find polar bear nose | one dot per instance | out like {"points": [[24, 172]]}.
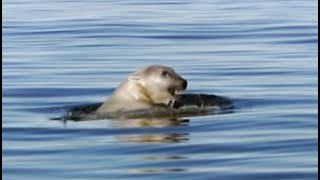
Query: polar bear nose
{"points": [[184, 84]]}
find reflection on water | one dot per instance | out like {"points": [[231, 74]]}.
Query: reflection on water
{"points": [[151, 122], [158, 170], [153, 137]]}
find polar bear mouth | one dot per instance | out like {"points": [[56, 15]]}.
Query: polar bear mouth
{"points": [[176, 91]]}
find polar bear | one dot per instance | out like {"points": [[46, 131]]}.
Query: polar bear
{"points": [[149, 87]]}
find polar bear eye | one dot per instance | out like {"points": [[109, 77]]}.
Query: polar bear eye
{"points": [[165, 74]]}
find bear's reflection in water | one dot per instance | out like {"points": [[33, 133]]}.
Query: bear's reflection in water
{"points": [[154, 131], [158, 133]]}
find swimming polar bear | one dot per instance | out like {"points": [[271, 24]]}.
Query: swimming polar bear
{"points": [[151, 92], [149, 87]]}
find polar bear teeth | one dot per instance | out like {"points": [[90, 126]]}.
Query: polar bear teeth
{"points": [[178, 91]]}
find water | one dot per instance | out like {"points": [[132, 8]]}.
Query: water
{"points": [[61, 53]]}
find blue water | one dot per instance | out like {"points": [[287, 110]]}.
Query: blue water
{"points": [[61, 53]]}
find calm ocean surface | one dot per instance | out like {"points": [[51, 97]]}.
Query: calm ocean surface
{"points": [[61, 53]]}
